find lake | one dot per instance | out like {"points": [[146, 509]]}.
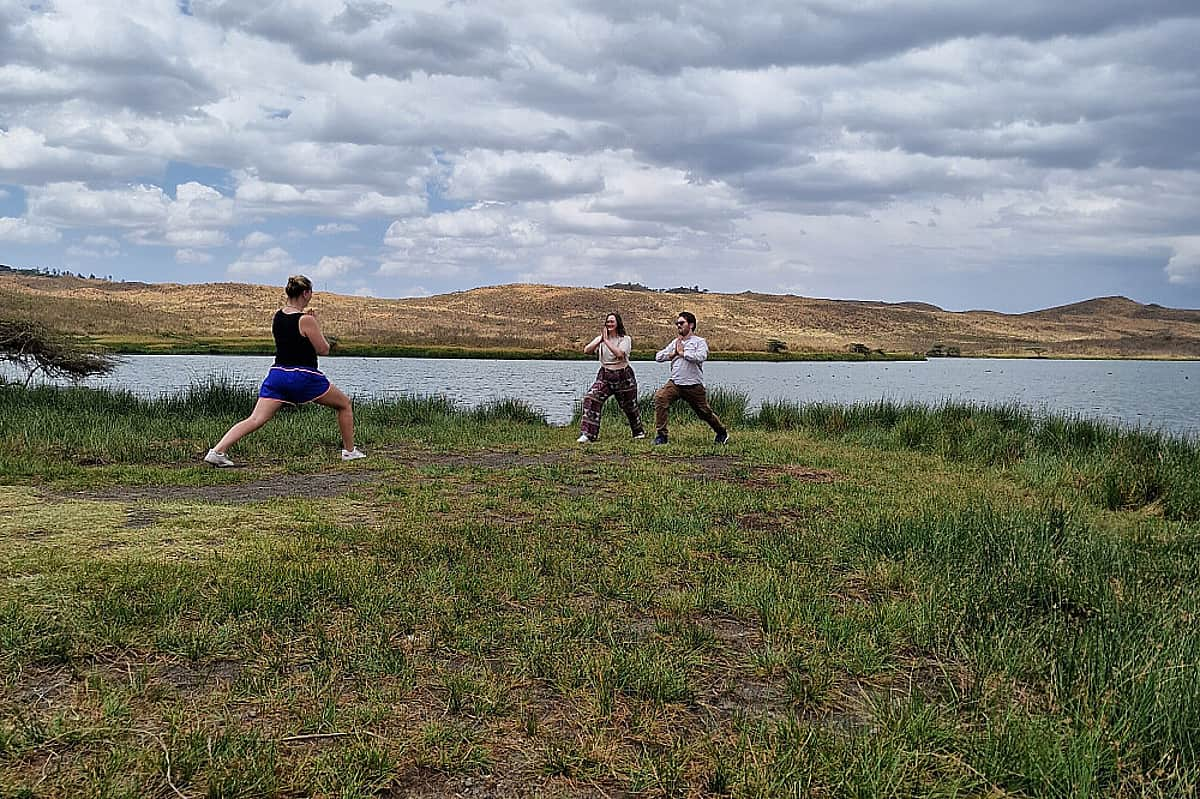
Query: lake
{"points": [[1160, 395]]}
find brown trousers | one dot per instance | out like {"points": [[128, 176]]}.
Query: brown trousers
{"points": [[694, 395]]}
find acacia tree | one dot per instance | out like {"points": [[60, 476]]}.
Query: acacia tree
{"points": [[35, 348]]}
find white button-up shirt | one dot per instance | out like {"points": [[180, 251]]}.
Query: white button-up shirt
{"points": [[687, 370]]}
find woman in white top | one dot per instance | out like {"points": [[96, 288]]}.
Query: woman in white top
{"points": [[614, 378]]}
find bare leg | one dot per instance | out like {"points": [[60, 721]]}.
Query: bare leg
{"points": [[336, 399], [264, 409]]}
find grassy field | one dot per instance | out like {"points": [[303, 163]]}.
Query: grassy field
{"points": [[267, 347], [538, 318], [877, 600]]}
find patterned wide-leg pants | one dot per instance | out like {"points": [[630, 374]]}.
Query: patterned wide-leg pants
{"points": [[619, 382]]}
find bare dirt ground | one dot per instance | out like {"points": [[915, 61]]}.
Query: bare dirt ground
{"points": [[337, 483]]}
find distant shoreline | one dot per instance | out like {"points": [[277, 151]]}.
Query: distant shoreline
{"points": [[414, 351], [266, 348]]}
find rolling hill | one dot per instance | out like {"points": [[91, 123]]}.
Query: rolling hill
{"points": [[540, 317]]}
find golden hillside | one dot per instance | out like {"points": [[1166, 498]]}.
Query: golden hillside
{"points": [[552, 317]]}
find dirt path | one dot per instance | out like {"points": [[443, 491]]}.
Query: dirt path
{"points": [[336, 482]]}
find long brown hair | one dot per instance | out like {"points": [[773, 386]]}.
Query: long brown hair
{"points": [[620, 324]]}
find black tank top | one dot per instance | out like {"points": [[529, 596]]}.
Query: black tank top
{"points": [[291, 348]]}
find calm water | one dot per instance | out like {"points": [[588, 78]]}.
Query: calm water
{"points": [[1152, 394]]}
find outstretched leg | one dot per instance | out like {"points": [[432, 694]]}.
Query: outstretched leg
{"points": [[662, 404], [697, 397], [593, 405], [626, 393], [264, 409], [335, 398]]}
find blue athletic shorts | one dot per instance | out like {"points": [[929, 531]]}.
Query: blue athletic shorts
{"points": [[293, 384]]}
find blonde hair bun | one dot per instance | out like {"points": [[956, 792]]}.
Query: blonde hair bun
{"points": [[297, 285]]}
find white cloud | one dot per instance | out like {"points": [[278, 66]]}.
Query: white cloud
{"points": [[1184, 266], [394, 268], [28, 155], [21, 231], [334, 228], [74, 204], [331, 266], [192, 257], [96, 247], [184, 237], [257, 240], [270, 197], [275, 262], [487, 223], [485, 175], [195, 218]]}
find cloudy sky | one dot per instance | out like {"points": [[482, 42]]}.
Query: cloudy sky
{"points": [[971, 153]]}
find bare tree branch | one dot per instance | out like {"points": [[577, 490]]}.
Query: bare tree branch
{"points": [[35, 348]]}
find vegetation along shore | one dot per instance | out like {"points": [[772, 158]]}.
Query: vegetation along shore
{"points": [[874, 600], [554, 321]]}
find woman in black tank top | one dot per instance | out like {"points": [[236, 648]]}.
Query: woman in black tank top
{"points": [[294, 378], [292, 348]]}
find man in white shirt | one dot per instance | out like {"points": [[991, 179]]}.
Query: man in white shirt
{"points": [[687, 354]]}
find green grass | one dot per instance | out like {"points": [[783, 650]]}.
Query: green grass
{"points": [[877, 600], [1114, 467]]}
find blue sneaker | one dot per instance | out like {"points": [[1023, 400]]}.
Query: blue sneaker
{"points": [[722, 437], [660, 439]]}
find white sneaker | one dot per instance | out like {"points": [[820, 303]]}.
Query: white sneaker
{"points": [[353, 454], [583, 439], [218, 459]]}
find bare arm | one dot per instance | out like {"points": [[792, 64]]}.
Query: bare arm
{"points": [[310, 328], [595, 343]]}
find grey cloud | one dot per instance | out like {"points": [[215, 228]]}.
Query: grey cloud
{"points": [[373, 41], [1079, 148], [16, 41], [139, 71], [357, 16], [725, 155], [666, 38], [535, 184], [715, 218], [829, 187], [1085, 103], [1142, 206], [1166, 140], [679, 124], [378, 167], [605, 225]]}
